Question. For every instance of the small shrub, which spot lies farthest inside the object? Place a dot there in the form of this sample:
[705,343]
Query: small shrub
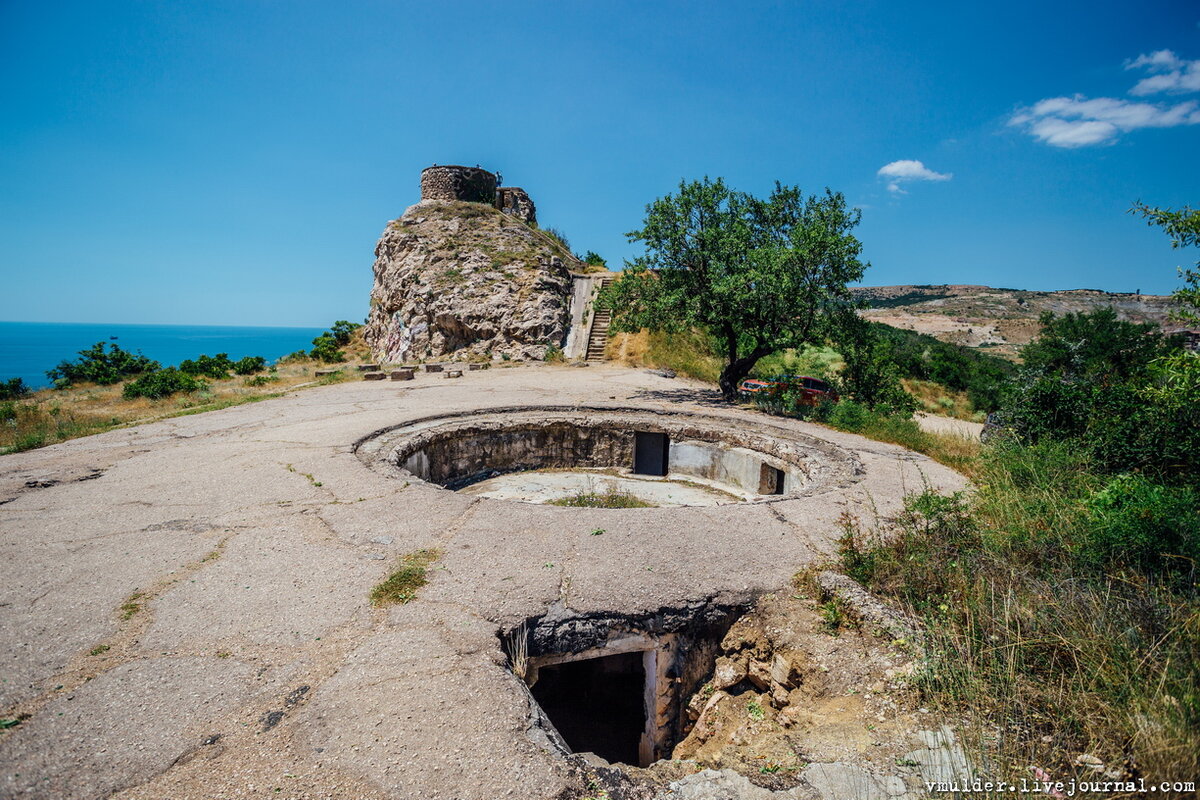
[249,365]
[609,499]
[13,389]
[554,355]
[298,357]
[216,367]
[594,259]
[260,380]
[162,383]
[98,365]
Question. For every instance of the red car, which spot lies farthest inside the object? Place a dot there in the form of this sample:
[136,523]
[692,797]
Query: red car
[810,391]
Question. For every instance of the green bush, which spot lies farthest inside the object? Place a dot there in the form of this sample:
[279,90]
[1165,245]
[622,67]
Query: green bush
[249,365]
[594,259]
[13,389]
[342,330]
[97,365]
[325,348]
[162,383]
[216,367]
[260,380]
[1143,524]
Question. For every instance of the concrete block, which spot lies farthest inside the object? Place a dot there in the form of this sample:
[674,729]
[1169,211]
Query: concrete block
[433,367]
[374,376]
[402,374]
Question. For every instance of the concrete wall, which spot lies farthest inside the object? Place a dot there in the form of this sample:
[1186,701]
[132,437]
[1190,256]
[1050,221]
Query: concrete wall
[733,466]
[463,457]
[583,300]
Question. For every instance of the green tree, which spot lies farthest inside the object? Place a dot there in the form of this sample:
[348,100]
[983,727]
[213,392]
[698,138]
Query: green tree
[1183,226]
[342,330]
[97,365]
[758,275]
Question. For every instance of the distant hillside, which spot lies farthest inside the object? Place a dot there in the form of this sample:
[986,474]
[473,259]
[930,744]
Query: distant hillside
[1000,320]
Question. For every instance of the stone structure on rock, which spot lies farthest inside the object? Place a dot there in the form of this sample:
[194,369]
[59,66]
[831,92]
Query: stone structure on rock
[464,274]
[476,185]
[468,184]
[516,201]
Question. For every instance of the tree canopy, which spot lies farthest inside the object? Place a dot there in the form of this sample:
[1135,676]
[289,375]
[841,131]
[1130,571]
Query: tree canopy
[759,275]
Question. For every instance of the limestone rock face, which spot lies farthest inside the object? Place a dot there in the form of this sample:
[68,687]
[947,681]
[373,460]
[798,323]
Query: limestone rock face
[459,280]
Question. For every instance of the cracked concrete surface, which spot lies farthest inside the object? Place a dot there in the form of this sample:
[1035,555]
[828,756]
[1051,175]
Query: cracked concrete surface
[254,580]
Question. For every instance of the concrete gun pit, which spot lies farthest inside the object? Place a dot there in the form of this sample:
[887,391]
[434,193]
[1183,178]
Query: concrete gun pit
[549,454]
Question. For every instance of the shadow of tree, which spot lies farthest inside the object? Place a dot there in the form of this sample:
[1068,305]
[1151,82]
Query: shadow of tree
[704,397]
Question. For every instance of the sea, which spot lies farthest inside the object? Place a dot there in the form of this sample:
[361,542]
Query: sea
[28,349]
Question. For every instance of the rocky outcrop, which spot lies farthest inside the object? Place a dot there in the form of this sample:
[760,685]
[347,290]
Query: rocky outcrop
[459,280]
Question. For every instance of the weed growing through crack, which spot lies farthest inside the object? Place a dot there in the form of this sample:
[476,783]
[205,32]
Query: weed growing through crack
[516,645]
[402,585]
[598,531]
[98,649]
[313,481]
[132,606]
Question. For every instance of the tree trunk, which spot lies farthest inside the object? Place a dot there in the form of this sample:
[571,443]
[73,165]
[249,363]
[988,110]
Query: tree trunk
[735,370]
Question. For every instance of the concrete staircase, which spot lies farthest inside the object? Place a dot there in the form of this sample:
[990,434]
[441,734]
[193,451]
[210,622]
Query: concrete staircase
[598,334]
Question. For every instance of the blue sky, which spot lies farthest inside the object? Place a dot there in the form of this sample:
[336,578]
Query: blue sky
[234,163]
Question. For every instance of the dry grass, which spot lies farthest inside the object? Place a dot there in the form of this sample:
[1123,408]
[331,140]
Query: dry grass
[935,398]
[688,353]
[410,575]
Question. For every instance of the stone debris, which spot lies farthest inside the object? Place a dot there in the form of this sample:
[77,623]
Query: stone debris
[433,367]
[454,373]
[374,376]
[368,367]
[840,781]
[402,374]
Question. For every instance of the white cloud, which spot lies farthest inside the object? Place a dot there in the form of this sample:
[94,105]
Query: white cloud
[1169,73]
[908,170]
[1079,121]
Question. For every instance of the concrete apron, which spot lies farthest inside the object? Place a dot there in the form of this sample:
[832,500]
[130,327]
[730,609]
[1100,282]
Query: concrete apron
[186,607]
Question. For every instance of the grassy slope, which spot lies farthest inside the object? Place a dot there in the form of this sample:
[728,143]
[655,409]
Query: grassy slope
[50,416]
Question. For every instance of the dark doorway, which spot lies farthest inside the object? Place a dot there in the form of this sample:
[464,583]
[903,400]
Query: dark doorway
[597,704]
[770,480]
[650,453]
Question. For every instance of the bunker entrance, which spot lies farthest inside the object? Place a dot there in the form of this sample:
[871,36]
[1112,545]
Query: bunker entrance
[597,704]
[651,453]
[618,685]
